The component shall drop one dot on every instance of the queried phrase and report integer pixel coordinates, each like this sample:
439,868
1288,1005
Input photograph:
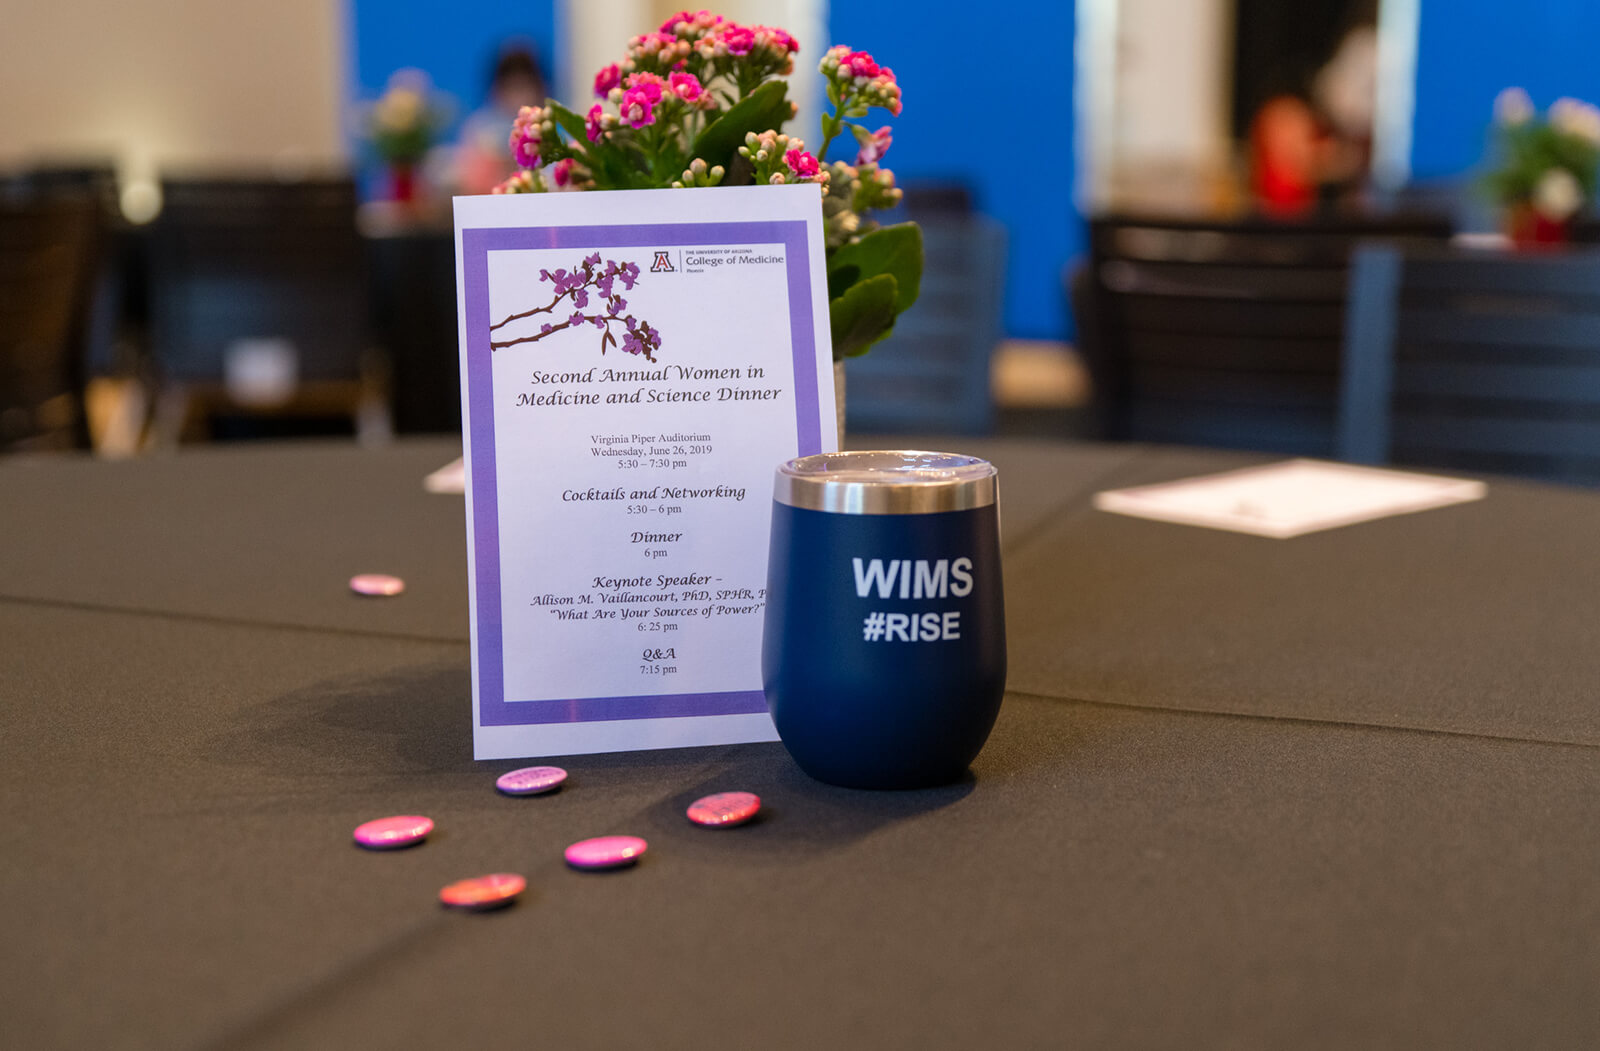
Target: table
1337,791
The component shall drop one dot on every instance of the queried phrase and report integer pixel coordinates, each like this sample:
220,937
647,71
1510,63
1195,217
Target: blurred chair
118,278
1475,362
413,274
258,305
1223,333
96,178
935,199
1584,229
933,372
49,246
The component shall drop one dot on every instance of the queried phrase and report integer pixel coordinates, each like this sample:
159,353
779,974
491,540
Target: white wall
172,82
1173,80
596,34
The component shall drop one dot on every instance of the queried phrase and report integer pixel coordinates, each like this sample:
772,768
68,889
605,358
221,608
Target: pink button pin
388,833
606,852
725,809
531,780
483,892
376,584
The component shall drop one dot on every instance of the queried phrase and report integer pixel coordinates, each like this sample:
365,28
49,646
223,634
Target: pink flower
638,108
802,163
656,49
686,86
525,136
593,123
738,39
695,20
607,79
875,147
780,39
561,174
648,84
520,182
861,79
861,64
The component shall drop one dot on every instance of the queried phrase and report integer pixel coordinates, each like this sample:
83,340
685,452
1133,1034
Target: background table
1333,791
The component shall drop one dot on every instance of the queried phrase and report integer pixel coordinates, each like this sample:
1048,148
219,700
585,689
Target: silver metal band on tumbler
887,482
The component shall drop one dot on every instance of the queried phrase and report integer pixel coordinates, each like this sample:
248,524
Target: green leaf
568,121
862,316
840,279
764,109
613,167
618,165
892,250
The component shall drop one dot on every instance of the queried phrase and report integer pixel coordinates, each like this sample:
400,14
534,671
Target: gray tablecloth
1338,791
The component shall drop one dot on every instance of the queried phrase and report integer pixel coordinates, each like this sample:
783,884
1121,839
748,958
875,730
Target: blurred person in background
483,158
1346,95
1314,144
1286,144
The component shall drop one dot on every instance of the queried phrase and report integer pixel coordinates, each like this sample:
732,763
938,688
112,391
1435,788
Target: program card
634,366
1288,499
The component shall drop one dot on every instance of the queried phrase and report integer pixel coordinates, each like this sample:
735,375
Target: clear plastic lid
886,482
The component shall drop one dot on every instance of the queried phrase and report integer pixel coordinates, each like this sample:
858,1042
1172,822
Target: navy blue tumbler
884,658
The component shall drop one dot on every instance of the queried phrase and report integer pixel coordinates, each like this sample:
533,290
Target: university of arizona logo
663,263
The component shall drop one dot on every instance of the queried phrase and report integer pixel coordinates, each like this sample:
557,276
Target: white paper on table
619,507
1291,498
451,478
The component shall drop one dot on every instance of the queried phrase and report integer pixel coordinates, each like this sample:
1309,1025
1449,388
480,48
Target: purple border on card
476,244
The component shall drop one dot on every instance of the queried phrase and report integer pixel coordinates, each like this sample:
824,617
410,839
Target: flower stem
831,126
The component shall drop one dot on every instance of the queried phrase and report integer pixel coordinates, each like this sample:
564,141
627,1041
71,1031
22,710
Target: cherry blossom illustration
591,281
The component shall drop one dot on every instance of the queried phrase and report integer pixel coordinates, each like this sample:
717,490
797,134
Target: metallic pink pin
389,833
606,852
725,809
531,780
483,892
376,584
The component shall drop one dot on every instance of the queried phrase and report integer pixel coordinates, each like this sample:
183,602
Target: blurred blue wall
455,43
1468,50
996,115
